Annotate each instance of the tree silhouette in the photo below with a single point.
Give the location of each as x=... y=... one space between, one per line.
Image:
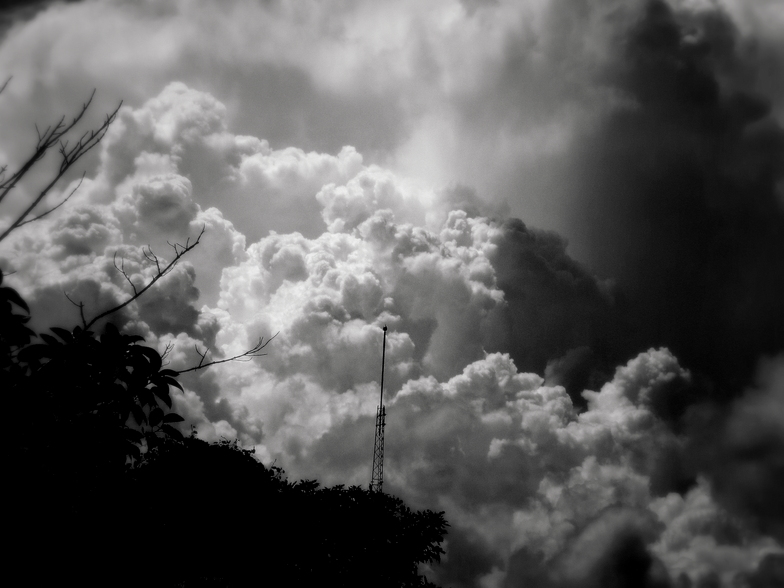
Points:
x=98 y=471
x=254 y=525
x=82 y=411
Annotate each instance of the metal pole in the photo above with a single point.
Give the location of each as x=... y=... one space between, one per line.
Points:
x=383 y=358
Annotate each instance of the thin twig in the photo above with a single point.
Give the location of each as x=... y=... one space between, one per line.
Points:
x=66 y=199
x=121 y=269
x=166 y=352
x=46 y=140
x=80 y=306
x=160 y=273
x=252 y=352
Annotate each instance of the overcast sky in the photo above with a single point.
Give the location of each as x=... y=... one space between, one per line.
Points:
x=570 y=215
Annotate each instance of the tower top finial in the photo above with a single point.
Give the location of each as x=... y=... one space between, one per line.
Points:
x=385 y=328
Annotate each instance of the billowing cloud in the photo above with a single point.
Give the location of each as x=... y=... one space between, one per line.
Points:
x=579 y=402
x=740 y=446
x=681 y=197
x=563 y=488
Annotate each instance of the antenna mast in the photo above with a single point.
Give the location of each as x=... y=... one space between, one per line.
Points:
x=377 y=476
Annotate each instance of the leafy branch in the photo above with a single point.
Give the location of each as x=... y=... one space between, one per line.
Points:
x=160 y=271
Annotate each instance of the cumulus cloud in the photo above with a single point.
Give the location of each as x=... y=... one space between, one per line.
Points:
x=357 y=165
x=700 y=540
x=680 y=193
x=567 y=487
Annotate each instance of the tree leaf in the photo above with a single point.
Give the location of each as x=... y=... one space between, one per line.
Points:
x=133 y=435
x=156 y=416
x=34 y=352
x=50 y=340
x=146 y=397
x=64 y=334
x=138 y=414
x=133 y=451
x=172 y=432
x=13 y=296
x=172 y=417
x=111 y=336
x=162 y=392
x=172 y=382
x=153 y=357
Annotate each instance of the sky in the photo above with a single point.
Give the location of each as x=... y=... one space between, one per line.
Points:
x=569 y=214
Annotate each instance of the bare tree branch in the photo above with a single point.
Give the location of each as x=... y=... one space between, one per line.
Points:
x=252 y=352
x=179 y=251
x=121 y=269
x=183 y=249
x=166 y=352
x=152 y=258
x=54 y=135
x=66 y=199
x=80 y=306
x=46 y=140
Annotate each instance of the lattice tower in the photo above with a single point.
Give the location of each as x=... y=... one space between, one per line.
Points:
x=377 y=475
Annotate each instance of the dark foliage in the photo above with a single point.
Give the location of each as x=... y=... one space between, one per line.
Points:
x=250 y=525
x=106 y=396
x=104 y=491
x=82 y=410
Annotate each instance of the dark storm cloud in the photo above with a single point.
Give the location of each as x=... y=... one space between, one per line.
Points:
x=682 y=195
x=469 y=557
x=742 y=448
x=13 y=11
x=612 y=551
x=682 y=202
x=769 y=573
x=557 y=314
x=673 y=195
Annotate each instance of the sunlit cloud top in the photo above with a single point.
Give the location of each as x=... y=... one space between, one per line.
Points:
x=570 y=216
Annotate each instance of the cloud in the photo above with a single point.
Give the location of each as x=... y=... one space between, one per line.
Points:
x=359 y=165
x=528 y=471
x=740 y=447
x=611 y=551
x=680 y=192
x=185 y=131
x=701 y=539
x=526 y=478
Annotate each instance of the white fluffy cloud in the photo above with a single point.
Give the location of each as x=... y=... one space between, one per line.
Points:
x=322 y=243
x=524 y=475
x=487 y=94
